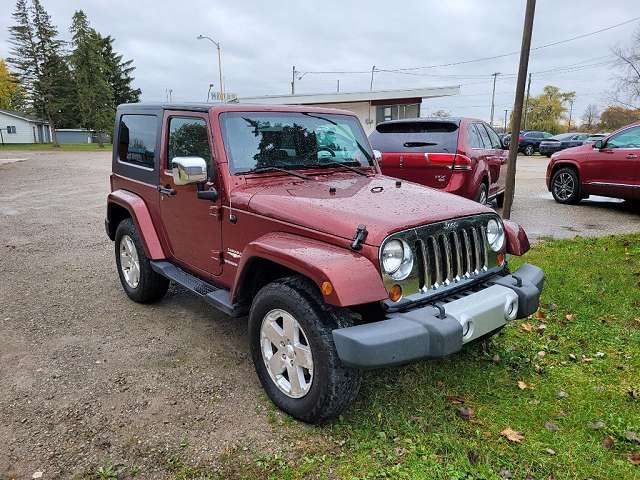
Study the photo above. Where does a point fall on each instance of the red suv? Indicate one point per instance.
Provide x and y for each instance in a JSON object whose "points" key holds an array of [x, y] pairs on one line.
{"points": [[463, 156], [609, 167]]}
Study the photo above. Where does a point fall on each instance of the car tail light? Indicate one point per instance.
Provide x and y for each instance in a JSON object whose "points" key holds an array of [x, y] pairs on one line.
{"points": [[462, 162]]}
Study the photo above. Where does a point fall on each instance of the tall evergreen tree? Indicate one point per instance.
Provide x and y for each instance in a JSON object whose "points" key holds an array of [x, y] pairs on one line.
{"points": [[119, 74], [35, 51], [93, 93]]}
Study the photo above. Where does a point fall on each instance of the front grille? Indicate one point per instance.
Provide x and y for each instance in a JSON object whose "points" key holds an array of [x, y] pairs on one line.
{"points": [[447, 257]]}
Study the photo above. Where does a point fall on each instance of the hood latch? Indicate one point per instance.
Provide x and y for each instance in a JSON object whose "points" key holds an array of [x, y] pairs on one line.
{"points": [[361, 234]]}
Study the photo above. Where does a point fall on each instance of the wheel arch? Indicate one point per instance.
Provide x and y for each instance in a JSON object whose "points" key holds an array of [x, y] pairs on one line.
{"points": [[122, 204], [565, 164], [355, 280]]}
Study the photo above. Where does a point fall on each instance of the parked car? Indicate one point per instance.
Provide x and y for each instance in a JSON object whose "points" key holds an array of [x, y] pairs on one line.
{"points": [[529, 141], [281, 213], [562, 141], [463, 156], [609, 167]]}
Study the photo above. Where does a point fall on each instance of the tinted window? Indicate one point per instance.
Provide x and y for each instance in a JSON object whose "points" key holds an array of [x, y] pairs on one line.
{"points": [[562, 136], [546, 135], [137, 139], [485, 136], [533, 135], [493, 136], [628, 139], [188, 137], [417, 136], [474, 137], [293, 140]]}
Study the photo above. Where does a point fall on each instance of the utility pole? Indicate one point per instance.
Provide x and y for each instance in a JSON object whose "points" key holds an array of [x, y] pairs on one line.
{"points": [[517, 107], [493, 96], [505, 120], [293, 80], [570, 111], [373, 69], [526, 105], [338, 86]]}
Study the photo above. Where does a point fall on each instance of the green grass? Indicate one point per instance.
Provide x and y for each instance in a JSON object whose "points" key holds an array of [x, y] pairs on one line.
{"points": [[71, 147], [403, 424]]}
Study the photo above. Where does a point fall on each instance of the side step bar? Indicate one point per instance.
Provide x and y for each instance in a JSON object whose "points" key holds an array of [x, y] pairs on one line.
{"points": [[218, 297]]}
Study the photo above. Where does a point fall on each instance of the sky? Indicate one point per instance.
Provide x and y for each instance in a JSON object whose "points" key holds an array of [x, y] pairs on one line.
{"points": [[261, 41]]}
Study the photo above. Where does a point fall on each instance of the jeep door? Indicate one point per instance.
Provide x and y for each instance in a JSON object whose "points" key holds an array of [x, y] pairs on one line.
{"points": [[192, 226]]}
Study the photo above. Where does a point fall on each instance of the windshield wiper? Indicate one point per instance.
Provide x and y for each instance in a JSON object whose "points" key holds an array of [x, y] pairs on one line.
{"points": [[276, 169], [348, 167]]}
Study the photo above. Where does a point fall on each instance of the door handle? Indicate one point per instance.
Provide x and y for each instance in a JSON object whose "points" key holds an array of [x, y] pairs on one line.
{"points": [[632, 155], [166, 190]]}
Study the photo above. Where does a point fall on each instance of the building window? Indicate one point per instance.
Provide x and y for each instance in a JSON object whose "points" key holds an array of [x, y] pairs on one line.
{"points": [[11, 129], [397, 112]]}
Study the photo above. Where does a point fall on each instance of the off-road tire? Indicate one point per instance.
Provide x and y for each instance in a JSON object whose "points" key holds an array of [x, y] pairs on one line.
{"points": [[575, 196], [529, 150], [483, 192], [334, 386], [152, 286]]}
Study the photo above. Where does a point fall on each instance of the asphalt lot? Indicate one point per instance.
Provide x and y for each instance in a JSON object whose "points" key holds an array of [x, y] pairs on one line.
{"points": [[89, 377]]}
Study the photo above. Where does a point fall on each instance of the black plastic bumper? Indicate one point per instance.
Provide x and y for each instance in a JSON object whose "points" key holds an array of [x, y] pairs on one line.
{"points": [[423, 332]]}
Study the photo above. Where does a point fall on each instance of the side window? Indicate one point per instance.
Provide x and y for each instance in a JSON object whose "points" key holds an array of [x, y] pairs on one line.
{"points": [[11, 129], [188, 137], [485, 136], [474, 137], [493, 136], [137, 139], [628, 139]]}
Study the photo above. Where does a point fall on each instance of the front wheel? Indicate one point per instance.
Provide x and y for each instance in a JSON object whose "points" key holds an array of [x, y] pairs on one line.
{"points": [[529, 150], [290, 330], [483, 194], [565, 186]]}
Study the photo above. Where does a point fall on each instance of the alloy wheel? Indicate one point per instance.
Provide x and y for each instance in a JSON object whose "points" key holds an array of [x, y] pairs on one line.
{"points": [[564, 186], [129, 262], [286, 353]]}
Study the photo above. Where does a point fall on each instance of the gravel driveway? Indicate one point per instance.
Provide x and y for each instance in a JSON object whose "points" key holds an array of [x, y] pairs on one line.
{"points": [[89, 377]]}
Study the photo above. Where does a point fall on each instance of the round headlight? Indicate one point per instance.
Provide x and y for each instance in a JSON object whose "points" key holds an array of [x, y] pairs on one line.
{"points": [[495, 235], [397, 259]]}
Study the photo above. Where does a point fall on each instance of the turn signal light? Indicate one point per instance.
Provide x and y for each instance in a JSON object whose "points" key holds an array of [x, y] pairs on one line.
{"points": [[395, 293], [326, 288]]}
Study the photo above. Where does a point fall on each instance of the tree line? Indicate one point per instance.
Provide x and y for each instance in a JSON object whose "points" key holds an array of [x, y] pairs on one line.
{"points": [[69, 84]]}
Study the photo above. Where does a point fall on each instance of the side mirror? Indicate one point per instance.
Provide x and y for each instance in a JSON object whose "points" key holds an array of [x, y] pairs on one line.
{"points": [[599, 144], [187, 170], [377, 154]]}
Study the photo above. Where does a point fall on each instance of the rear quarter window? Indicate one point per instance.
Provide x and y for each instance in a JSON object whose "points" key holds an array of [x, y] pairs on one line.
{"points": [[421, 136], [137, 136]]}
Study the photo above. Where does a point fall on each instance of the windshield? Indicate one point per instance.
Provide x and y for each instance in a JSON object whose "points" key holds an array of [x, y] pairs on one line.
{"points": [[258, 140]]}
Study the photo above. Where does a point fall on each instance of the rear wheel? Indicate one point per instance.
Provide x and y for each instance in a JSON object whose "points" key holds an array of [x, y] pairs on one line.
{"points": [[529, 150], [138, 279], [565, 186], [290, 330], [483, 194]]}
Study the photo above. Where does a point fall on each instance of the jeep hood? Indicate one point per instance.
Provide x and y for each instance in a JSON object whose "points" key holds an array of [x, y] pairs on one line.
{"points": [[375, 201]]}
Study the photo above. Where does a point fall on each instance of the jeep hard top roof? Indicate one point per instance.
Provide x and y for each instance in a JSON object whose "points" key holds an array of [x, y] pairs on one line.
{"points": [[225, 107]]}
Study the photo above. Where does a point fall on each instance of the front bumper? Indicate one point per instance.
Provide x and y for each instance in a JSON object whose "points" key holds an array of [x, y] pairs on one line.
{"points": [[444, 327]]}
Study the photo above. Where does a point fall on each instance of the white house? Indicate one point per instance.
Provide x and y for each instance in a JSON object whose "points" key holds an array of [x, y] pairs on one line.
{"points": [[18, 127], [371, 107]]}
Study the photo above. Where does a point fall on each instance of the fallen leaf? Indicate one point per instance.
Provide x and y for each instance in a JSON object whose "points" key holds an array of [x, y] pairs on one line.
{"points": [[634, 458], [596, 425], [599, 354], [505, 473], [551, 307], [541, 328], [522, 385], [540, 315], [496, 358], [473, 457], [512, 435], [634, 394], [550, 451], [552, 427], [632, 437], [572, 357], [570, 317], [37, 475], [455, 399], [465, 413], [607, 443], [526, 327], [560, 395], [542, 353]]}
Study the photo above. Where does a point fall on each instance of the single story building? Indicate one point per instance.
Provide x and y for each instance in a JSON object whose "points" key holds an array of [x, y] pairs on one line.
{"points": [[18, 127], [371, 107], [73, 135]]}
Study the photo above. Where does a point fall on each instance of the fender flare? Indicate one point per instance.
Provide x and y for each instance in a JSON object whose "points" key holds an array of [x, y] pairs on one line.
{"points": [[139, 212], [354, 278], [517, 239]]}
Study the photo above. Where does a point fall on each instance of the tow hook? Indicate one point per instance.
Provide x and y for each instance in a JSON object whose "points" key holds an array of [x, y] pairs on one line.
{"points": [[361, 234]]}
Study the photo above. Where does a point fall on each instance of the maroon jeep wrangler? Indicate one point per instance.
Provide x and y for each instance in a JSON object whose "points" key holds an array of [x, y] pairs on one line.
{"points": [[281, 213]]}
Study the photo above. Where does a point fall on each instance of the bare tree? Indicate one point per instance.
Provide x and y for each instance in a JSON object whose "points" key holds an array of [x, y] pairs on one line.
{"points": [[627, 91], [590, 116]]}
